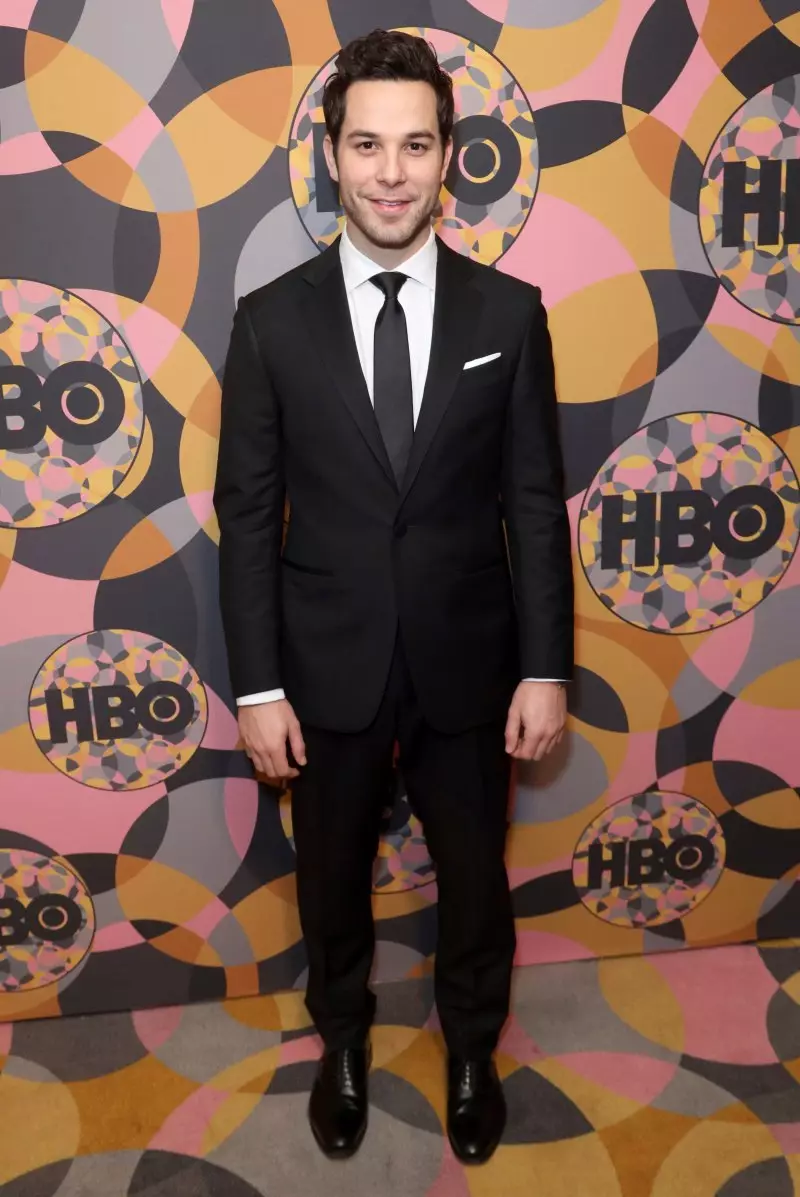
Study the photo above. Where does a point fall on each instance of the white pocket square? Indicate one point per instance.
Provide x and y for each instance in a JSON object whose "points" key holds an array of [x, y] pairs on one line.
{"points": [[479, 361]]}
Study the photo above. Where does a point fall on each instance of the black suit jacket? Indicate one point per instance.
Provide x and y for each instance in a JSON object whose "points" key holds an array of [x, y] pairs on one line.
{"points": [[320, 618]]}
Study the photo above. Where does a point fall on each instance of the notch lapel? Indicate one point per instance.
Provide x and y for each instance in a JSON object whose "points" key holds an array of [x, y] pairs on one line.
{"points": [[331, 331], [457, 306]]}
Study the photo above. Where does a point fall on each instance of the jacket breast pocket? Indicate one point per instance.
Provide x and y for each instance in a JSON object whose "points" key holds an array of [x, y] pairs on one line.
{"points": [[487, 372]]}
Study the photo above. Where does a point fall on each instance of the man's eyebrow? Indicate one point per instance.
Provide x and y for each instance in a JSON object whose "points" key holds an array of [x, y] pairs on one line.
{"points": [[415, 135]]}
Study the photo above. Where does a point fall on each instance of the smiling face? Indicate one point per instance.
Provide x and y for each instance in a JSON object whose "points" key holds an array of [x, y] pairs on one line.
{"points": [[390, 165]]}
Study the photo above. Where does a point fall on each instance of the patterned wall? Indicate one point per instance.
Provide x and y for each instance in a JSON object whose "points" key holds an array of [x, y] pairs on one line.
{"points": [[637, 159]]}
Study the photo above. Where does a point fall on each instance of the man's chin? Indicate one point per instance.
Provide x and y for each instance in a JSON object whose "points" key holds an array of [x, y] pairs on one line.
{"points": [[388, 235]]}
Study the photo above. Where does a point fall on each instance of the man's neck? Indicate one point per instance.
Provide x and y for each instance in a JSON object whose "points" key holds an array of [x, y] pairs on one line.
{"points": [[387, 258]]}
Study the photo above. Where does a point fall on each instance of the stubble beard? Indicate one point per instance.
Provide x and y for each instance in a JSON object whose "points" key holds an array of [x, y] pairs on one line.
{"points": [[388, 236]]}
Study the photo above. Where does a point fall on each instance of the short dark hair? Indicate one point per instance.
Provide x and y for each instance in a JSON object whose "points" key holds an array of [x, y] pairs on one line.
{"points": [[387, 55]]}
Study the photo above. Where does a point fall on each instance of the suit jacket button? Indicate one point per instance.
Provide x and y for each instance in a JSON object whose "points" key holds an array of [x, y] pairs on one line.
{"points": [[400, 530]]}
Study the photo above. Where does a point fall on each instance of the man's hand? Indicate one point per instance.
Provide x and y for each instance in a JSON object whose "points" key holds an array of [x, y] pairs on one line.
{"points": [[536, 720], [265, 728]]}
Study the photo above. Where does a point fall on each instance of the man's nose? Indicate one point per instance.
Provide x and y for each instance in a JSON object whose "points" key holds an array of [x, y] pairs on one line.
{"points": [[390, 169]]}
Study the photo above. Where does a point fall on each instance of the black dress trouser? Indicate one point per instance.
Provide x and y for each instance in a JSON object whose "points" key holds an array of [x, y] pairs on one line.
{"points": [[457, 785]]}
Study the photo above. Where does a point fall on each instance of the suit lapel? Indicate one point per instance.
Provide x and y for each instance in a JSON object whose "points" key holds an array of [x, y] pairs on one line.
{"points": [[456, 309], [457, 306], [331, 331]]}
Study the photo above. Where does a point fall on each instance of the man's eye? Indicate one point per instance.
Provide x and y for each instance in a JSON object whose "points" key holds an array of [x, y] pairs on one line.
{"points": [[416, 145], [366, 145]]}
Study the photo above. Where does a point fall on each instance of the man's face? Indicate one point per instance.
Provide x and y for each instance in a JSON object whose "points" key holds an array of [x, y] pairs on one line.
{"points": [[389, 162]]}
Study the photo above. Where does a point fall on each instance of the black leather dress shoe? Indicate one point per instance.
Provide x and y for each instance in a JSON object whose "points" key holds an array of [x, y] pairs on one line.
{"points": [[337, 1109], [476, 1109]]}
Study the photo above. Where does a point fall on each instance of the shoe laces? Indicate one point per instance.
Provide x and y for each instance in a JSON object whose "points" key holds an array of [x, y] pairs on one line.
{"points": [[345, 1069], [343, 1065]]}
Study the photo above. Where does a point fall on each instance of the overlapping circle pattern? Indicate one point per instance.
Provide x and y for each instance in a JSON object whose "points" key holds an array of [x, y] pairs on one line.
{"points": [[616, 1077], [739, 548], [73, 415], [681, 858], [47, 921], [165, 177], [491, 183], [756, 250], [116, 709]]}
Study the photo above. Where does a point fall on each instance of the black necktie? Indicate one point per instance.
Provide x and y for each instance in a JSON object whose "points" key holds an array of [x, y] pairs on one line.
{"points": [[391, 385]]}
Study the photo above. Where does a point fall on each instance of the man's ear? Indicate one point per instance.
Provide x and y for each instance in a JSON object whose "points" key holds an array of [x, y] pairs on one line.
{"points": [[330, 157], [448, 154]]}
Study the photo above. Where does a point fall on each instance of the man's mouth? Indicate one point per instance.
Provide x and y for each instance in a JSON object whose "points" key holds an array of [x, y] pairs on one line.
{"points": [[390, 205]]}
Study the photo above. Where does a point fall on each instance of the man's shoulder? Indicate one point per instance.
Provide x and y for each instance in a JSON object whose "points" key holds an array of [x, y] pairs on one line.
{"points": [[501, 284], [279, 294], [277, 291], [503, 287]]}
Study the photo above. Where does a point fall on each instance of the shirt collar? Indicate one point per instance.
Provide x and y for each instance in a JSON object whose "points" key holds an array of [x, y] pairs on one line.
{"points": [[357, 267]]}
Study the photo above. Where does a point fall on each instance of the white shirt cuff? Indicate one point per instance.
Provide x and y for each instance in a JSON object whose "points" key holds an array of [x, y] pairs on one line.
{"points": [[252, 700]]}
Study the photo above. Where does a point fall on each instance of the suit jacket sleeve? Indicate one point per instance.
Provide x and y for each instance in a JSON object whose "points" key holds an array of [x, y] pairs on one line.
{"points": [[534, 508], [249, 502]]}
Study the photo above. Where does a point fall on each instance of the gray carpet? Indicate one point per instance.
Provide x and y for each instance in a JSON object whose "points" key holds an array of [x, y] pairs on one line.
{"points": [[673, 1075]]}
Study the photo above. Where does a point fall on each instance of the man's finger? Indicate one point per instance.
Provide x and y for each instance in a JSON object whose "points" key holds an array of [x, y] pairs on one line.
{"points": [[512, 731], [259, 761], [529, 746], [281, 765], [297, 743], [272, 767], [549, 743]]}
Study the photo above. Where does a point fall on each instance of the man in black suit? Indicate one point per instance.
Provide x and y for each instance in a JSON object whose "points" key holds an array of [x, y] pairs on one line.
{"points": [[403, 397]]}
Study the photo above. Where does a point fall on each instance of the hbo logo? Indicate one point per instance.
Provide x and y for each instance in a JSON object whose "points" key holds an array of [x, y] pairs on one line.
{"points": [[630, 863], [746, 523], [51, 917], [711, 505], [649, 859], [778, 192], [81, 402], [115, 686], [162, 708]]}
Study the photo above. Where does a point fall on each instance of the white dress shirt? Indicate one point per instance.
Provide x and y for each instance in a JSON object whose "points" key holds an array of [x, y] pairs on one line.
{"points": [[365, 301]]}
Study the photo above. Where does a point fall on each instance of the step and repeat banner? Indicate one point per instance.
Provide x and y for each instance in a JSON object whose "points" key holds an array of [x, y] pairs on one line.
{"points": [[637, 159]]}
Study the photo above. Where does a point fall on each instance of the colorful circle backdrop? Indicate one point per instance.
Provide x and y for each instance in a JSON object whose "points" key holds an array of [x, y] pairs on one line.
{"points": [[491, 183], [637, 162], [117, 710], [47, 921], [742, 537], [73, 393], [751, 236], [681, 857]]}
